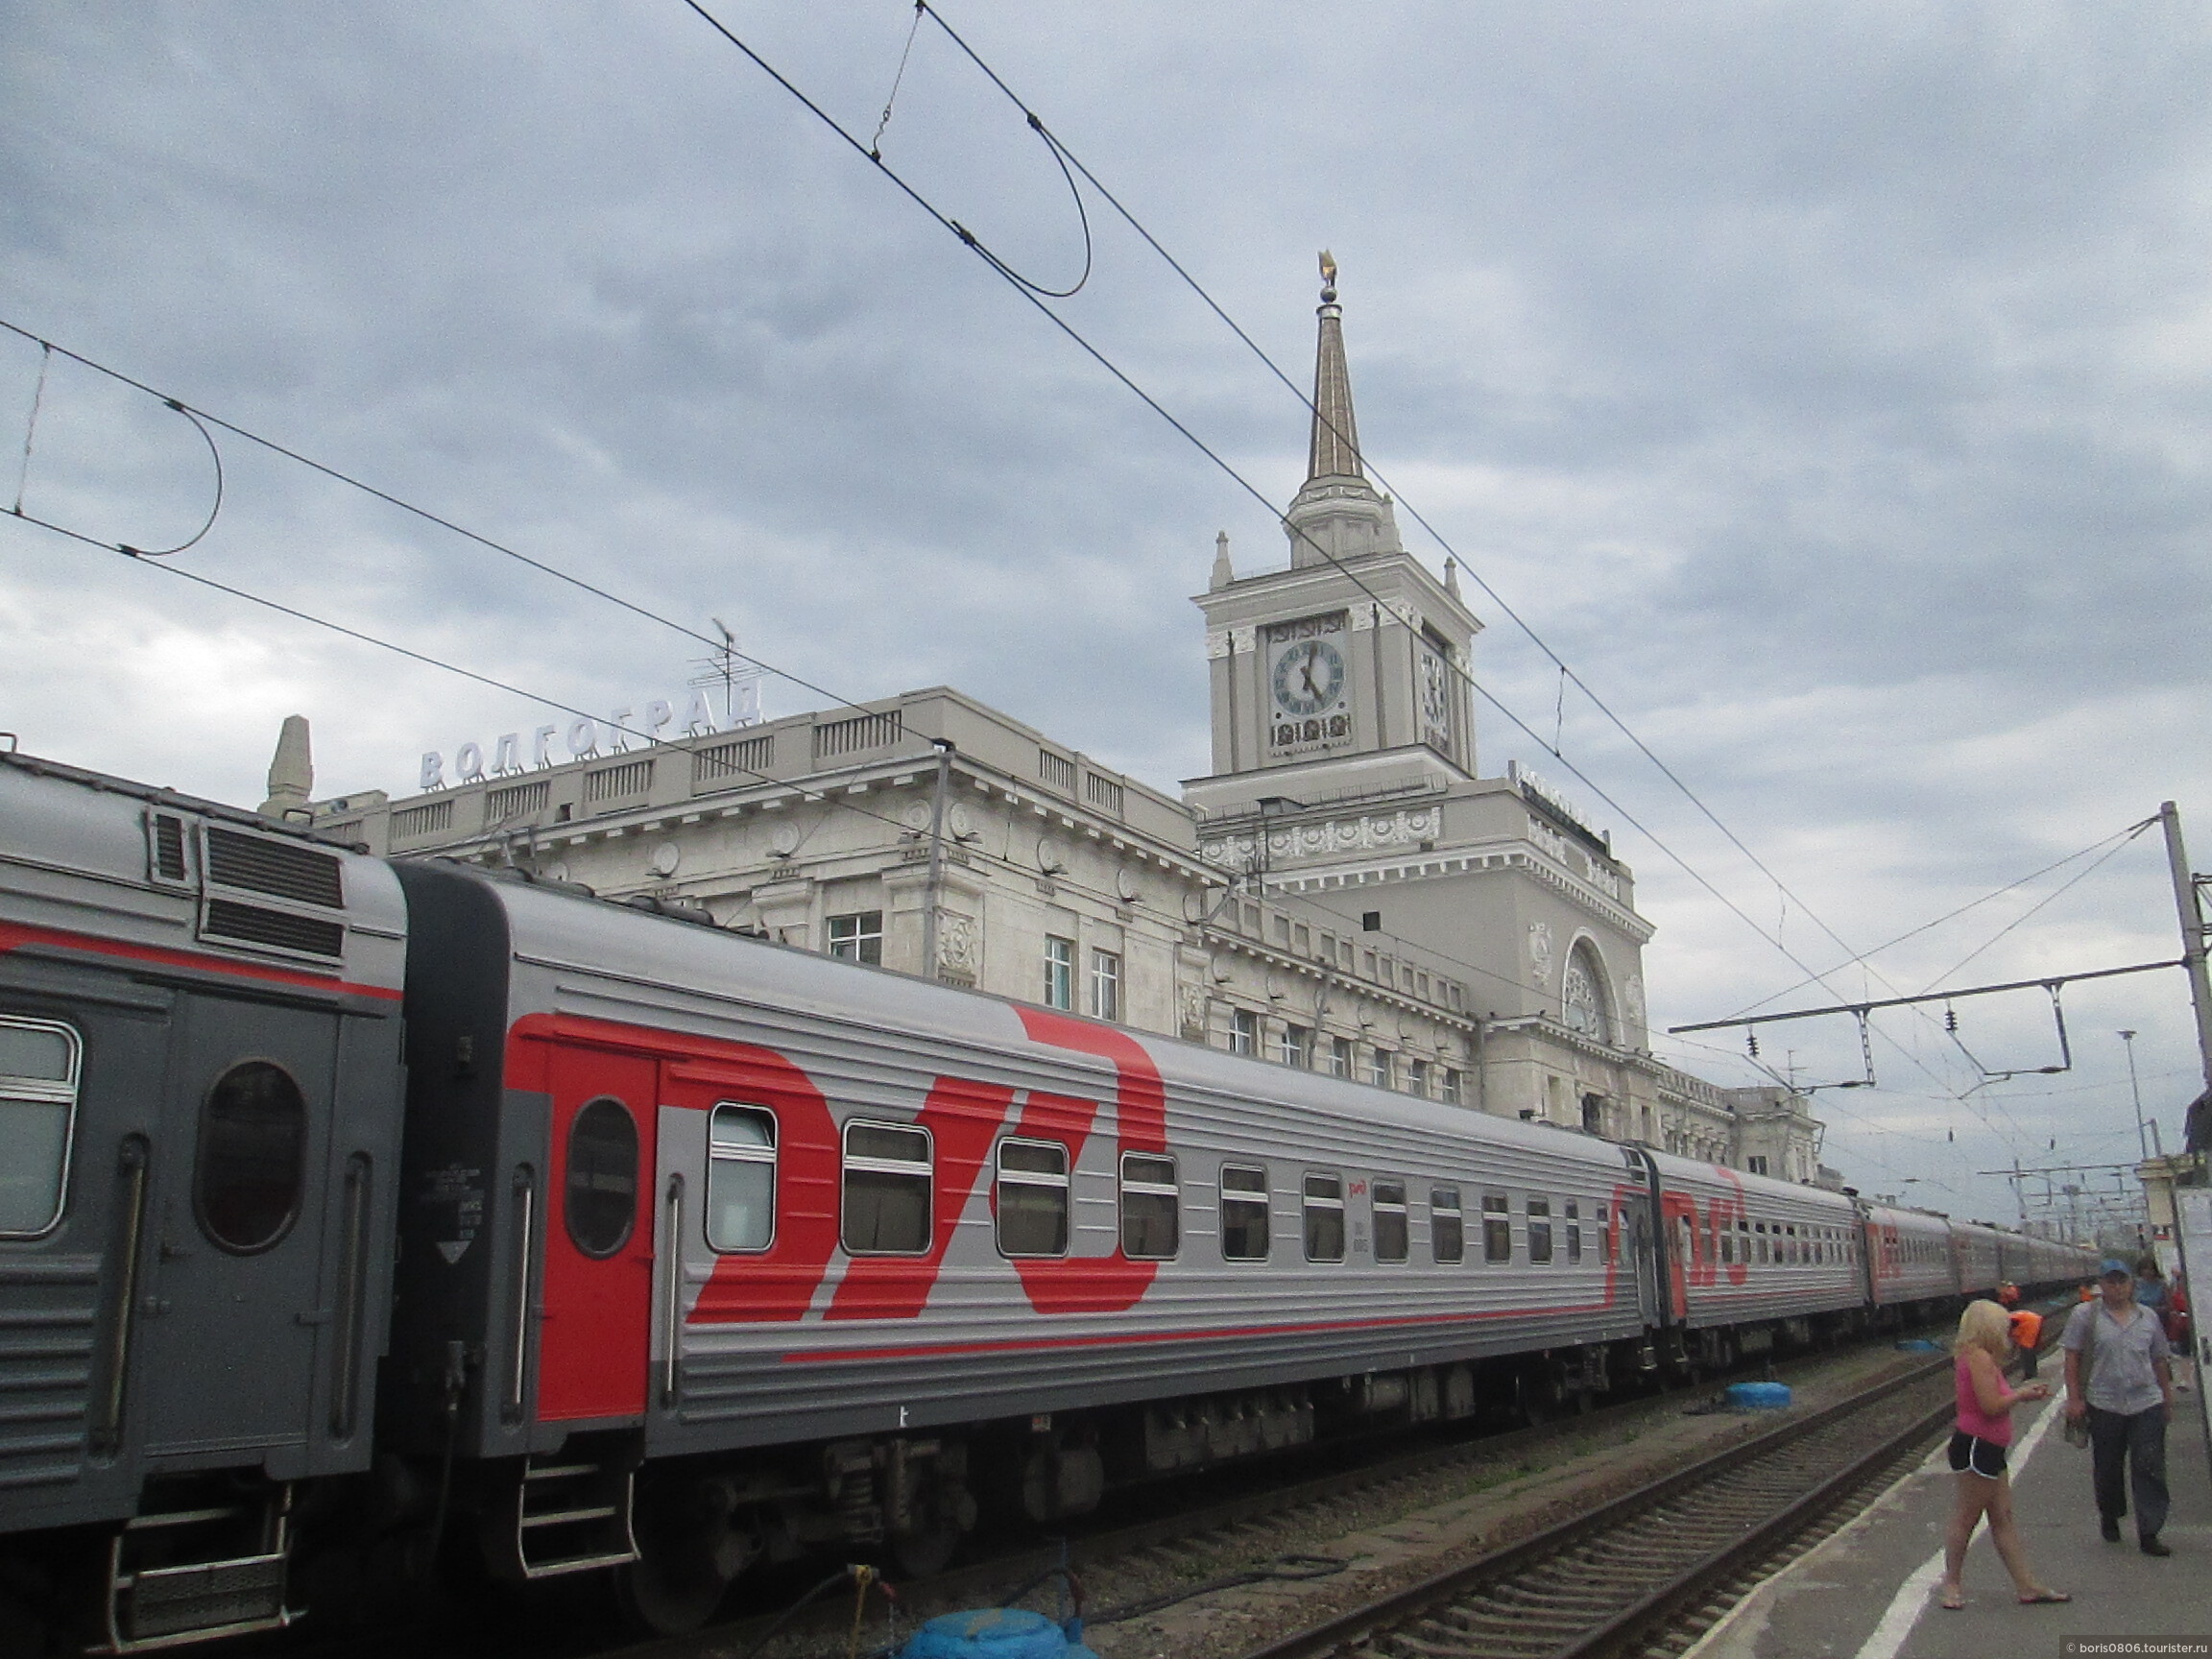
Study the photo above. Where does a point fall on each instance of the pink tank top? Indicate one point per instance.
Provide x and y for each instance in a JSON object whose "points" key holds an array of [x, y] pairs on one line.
{"points": [[1996, 1427]]}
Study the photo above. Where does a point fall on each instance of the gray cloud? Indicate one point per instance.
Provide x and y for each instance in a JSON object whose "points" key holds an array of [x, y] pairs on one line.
{"points": [[1830, 388]]}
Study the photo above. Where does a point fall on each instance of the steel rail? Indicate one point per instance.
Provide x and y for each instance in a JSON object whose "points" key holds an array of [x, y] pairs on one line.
{"points": [[1439, 1590]]}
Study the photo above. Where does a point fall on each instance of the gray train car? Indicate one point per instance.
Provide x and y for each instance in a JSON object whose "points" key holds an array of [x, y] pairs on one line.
{"points": [[722, 1209], [1909, 1258], [1754, 1260], [199, 1091]]}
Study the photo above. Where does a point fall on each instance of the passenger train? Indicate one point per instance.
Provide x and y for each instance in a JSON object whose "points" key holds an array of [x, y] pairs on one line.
{"points": [[357, 1213]]}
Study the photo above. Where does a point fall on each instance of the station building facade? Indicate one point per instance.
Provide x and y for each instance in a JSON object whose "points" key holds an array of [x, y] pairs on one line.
{"points": [[1343, 891]]}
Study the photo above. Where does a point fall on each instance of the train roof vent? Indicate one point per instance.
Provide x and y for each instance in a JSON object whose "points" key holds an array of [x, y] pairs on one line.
{"points": [[271, 895], [281, 869]]}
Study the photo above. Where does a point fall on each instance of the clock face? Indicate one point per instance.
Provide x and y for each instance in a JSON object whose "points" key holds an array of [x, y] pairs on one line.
{"points": [[1309, 685], [1435, 700], [1309, 677]]}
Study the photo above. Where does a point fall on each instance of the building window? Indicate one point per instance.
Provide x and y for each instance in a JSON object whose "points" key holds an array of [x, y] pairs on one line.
{"points": [[857, 937], [1451, 1087], [1105, 985], [39, 1063], [1390, 1230], [1059, 972], [1539, 1229], [1150, 1223], [1756, 1163], [1497, 1228], [740, 1178], [1417, 1077], [1582, 995], [1324, 1218], [1032, 1198], [1379, 1068], [1297, 1047], [1244, 1214], [888, 1179], [1339, 1056], [1447, 1235], [1244, 1031]]}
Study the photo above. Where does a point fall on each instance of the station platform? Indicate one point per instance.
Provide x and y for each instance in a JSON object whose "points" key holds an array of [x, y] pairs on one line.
{"points": [[1869, 1591]]}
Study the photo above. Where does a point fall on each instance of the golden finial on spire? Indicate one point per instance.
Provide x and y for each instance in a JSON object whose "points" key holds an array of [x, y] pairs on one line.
{"points": [[1328, 275]]}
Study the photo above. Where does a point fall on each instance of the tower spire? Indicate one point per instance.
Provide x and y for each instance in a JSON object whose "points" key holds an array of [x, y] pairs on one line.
{"points": [[1334, 452], [1337, 515]]}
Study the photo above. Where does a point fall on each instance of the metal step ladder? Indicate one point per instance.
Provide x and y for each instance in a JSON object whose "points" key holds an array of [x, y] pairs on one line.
{"points": [[572, 1514], [183, 1575]]}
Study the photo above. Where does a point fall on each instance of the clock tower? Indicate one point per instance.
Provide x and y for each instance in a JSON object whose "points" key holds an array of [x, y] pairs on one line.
{"points": [[1346, 811], [1345, 674]]}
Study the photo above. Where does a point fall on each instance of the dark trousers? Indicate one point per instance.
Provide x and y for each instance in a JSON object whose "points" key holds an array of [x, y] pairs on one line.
{"points": [[2027, 1356], [2136, 1443]]}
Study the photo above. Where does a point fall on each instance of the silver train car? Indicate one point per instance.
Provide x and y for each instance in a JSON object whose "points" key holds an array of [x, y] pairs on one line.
{"points": [[356, 1214]]}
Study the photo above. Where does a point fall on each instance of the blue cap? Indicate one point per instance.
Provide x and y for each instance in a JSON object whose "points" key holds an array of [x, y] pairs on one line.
{"points": [[2113, 1265]]}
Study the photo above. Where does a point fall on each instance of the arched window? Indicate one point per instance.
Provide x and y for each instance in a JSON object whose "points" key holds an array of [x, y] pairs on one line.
{"points": [[601, 1177], [1583, 1000], [253, 1143]]}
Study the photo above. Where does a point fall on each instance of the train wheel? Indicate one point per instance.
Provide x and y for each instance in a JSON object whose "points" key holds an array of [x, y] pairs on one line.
{"points": [[670, 1597], [925, 1553], [688, 1550]]}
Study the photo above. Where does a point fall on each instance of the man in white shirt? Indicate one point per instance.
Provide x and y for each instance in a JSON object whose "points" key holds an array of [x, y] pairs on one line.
{"points": [[2125, 1391]]}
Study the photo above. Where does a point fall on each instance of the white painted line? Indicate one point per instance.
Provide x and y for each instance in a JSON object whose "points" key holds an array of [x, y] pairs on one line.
{"points": [[1813, 1559], [1911, 1599]]}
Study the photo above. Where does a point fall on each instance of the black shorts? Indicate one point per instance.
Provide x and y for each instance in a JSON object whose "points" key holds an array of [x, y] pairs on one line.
{"points": [[1971, 1455]]}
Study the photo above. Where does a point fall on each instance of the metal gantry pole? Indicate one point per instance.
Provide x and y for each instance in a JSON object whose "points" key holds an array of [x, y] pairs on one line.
{"points": [[2191, 914]]}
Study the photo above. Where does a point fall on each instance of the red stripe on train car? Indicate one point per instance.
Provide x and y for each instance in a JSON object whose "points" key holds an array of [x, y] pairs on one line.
{"points": [[14, 935]]}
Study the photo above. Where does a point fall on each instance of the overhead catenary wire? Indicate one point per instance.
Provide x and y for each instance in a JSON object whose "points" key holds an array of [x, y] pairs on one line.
{"points": [[453, 527]]}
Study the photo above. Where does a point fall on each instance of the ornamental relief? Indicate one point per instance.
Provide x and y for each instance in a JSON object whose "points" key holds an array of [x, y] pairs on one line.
{"points": [[1191, 1008], [959, 944], [1375, 829], [1540, 954]]}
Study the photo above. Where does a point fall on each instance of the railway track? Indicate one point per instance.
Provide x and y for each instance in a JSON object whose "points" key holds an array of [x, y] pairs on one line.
{"points": [[1647, 1571]]}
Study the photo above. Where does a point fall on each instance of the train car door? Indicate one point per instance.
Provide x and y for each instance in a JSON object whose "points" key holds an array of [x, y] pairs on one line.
{"points": [[230, 1316], [1644, 1260], [592, 1354]]}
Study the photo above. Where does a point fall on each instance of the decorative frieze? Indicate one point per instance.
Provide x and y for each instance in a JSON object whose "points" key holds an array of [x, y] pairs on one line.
{"points": [[1364, 834]]}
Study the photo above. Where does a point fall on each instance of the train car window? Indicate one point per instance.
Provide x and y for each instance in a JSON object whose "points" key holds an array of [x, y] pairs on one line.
{"points": [[601, 1190], [1244, 1214], [1539, 1229], [740, 1177], [1727, 1239], [1447, 1227], [38, 1069], [1605, 1235], [1573, 1230], [1151, 1222], [1324, 1218], [1390, 1229], [1032, 1198], [1497, 1227], [253, 1145], [887, 1187]]}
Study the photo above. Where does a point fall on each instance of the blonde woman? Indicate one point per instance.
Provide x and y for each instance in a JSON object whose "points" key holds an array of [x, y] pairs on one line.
{"points": [[1977, 1448]]}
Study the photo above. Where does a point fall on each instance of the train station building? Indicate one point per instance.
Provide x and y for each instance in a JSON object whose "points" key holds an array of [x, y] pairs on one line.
{"points": [[1343, 891]]}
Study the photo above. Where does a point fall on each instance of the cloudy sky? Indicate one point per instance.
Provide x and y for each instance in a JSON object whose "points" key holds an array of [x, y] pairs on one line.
{"points": [[1827, 385]]}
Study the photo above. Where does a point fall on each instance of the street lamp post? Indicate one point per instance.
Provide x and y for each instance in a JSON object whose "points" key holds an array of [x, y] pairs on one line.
{"points": [[2142, 1140]]}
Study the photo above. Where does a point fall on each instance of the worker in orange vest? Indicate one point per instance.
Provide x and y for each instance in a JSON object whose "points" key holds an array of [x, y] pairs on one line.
{"points": [[2026, 1336]]}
